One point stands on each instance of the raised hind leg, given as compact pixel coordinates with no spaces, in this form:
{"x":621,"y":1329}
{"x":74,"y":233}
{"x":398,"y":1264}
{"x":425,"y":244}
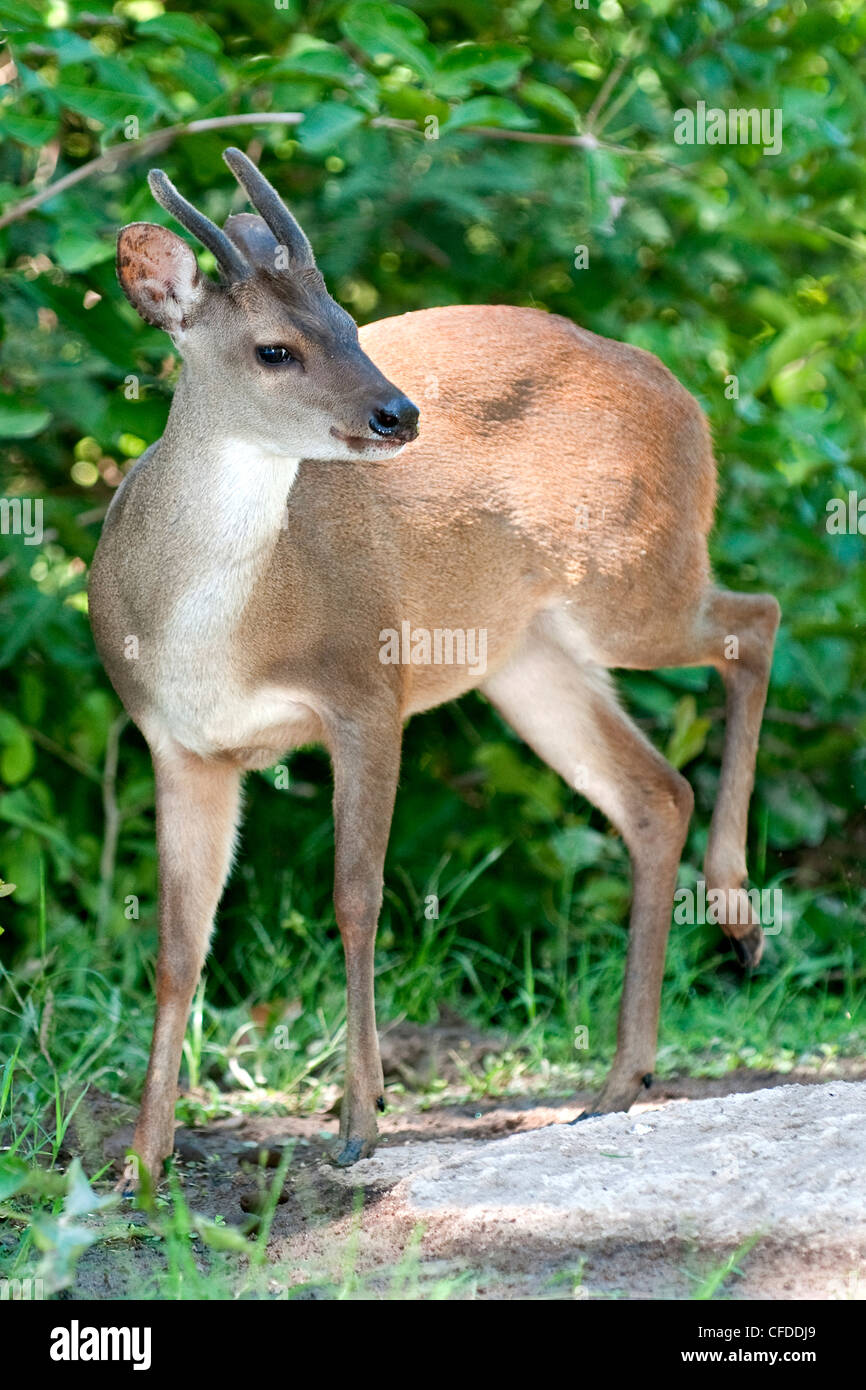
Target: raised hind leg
{"x":740,"y":630}
{"x":734,"y":633}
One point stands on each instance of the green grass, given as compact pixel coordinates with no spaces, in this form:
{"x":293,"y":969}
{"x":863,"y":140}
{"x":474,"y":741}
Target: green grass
{"x":68,"y":1022}
{"x":529,"y":946}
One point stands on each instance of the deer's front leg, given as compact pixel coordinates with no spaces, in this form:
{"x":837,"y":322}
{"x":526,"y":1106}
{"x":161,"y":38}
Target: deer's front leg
{"x":366,"y":762}
{"x":197,"y":807}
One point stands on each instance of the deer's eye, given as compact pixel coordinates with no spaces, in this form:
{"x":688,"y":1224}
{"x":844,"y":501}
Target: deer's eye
{"x":275,"y":356}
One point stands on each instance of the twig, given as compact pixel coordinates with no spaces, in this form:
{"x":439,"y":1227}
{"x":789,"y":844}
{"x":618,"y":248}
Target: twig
{"x":830,"y":234}
{"x":161,"y":139}
{"x":134,"y":149}
{"x":94,"y":514}
{"x":423,"y":244}
{"x":59,"y":751}
{"x":535,"y":137}
{"x":587,"y":141}
{"x":605,"y":89}
{"x":616,"y":105}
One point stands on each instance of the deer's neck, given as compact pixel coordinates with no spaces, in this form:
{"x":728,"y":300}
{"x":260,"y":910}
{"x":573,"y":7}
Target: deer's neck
{"x":229,"y":494}
{"x":228,"y":510}
{"x":235,"y":503}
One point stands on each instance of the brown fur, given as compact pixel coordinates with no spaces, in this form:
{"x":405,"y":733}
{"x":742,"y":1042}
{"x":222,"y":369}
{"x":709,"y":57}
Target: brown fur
{"x":559,"y":497}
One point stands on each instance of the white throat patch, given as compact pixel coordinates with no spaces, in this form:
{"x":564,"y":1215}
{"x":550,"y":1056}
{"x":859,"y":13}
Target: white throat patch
{"x":240,"y":509}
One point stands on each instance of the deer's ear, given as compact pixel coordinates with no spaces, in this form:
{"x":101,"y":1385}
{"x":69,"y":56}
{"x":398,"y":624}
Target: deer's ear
{"x":159,"y":275}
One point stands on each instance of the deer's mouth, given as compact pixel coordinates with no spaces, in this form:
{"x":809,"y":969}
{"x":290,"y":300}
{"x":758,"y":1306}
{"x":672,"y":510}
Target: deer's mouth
{"x":378,"y":444}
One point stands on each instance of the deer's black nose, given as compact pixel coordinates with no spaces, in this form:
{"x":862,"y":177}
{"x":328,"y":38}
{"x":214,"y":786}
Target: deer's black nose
{"x":398,"y":419}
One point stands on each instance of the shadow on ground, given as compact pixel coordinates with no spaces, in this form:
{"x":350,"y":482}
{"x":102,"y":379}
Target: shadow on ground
{"x":746,"y":1185}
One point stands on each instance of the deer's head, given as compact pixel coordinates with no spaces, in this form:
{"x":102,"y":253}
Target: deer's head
{"x":267,"y":350}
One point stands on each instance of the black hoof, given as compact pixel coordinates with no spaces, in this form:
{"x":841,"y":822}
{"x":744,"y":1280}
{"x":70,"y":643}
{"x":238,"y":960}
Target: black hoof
{"x":587,"y":1115}
{"x":647,"y":1080}
{"x":748,"y":948}
{"x":352,"y":1150}
{"x":380,"y":1104}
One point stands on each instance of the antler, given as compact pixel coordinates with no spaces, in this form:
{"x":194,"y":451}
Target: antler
{"x":230,"y":260}
{"x":266,"y":200}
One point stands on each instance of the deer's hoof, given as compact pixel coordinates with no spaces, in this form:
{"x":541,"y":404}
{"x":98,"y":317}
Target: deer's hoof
{"x":617,"y":1095}
{"x":352,"y":1150}
{"x":749,"y":948}
{"x":128,"y":1182}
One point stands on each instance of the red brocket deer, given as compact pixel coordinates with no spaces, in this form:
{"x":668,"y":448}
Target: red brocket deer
{"x":253,"y":562}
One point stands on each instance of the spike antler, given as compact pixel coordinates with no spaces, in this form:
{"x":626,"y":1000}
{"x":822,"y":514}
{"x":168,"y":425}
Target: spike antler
{"x":266,"y":200}
{"x":229,"y":258}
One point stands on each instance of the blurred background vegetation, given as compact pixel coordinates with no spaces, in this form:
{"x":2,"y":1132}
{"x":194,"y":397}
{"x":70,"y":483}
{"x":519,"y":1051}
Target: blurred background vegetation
{"x":723,"y":260}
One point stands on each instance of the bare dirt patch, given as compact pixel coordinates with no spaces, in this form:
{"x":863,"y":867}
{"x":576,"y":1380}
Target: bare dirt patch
{"x":504,"y":1199}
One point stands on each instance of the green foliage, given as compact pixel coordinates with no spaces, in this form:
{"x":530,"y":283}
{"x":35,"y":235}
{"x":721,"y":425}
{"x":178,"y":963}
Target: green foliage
{"x":724,"y":260}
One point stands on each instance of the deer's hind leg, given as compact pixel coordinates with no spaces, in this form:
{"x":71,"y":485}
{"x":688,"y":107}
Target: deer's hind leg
{"x":739,"y":631}
{"x":734,"y":633}
{"x":567,"y":711}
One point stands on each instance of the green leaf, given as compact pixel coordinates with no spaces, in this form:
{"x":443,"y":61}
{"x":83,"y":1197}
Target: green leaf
{"x":328,"y":65}
{"x":102,"y":104}
{"x":551,"y":101}
{"x":20,"y":14}
{"x":495,"y":111}
{"x":14,"y":1176}
{"x":689,"y":735}
{"x":81,"y":1199}
{"x":509,"y":773}
{"x":579,"y":847}
{"x":382,"y":28}
{"x":76,"y":251}
{"x":61,"y":1240}
{"x":17,"y":755}
{"x":802,"y":338}
{"x":331,"y":63}
{"x":410,"y":103}
{"x":326,"y":125}
{"x":67,"y":46}
{"x":19,"y":421}
{"x":27,"y":130}
{"x":181,"y":29}
{"x":221,"y":1237}
{"x":18,"y":809}
{"x":493,"y":65}
{"x":797,"y":813}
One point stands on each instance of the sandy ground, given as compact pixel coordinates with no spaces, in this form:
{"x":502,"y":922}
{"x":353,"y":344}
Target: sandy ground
{"x":745,"y":1186}
{"x":651,"y":1201}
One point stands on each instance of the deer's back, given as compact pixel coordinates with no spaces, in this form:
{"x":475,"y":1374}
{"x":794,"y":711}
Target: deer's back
{"x":545,"y":448}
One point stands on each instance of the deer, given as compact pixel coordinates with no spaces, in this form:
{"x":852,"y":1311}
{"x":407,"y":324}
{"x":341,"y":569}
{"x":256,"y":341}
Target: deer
{"x":558,"y":497}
